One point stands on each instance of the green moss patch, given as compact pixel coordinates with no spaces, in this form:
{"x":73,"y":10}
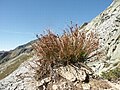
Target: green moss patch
{"x":112,"y":75}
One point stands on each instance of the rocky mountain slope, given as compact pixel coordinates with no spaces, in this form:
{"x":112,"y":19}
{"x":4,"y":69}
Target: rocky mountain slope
{"x":107,"y":24}
{"x":102,"y":73}
{"x":10,"y":60}
{"x":7,"y":55}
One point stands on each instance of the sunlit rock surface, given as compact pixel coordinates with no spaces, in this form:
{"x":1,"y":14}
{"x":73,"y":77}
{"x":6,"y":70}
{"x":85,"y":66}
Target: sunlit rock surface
{"x":107,"y":25}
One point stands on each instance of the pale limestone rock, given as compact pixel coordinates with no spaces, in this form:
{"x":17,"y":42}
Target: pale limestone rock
{"x":43,"y":81}
{"x":86,"y":86}
{"x":107,"y":24}
{"x":54,"y":87}
{"x":72,"y":73}
{"x":20,"y":79}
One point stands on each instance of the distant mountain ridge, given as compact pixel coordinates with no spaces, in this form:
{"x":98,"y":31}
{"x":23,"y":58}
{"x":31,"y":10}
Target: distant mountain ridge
{"x":1,"y":52}
{"x":7,"y":55}
{"x":11,"y":60}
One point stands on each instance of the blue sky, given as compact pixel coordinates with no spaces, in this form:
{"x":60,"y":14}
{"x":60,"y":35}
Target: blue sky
{"x":21,"y":20}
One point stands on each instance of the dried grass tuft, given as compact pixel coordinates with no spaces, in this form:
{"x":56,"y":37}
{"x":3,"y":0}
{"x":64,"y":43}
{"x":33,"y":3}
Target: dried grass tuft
{"x":72,"y":47}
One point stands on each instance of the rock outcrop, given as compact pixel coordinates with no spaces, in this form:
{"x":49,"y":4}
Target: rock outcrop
{"x":21,"y":79}
{"x":107,"y":24}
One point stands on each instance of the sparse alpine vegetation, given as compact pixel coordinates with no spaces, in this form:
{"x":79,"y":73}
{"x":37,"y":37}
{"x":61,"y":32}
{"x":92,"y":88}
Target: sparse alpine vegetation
{"x":112,"y":75}
{"x":72,"y":47}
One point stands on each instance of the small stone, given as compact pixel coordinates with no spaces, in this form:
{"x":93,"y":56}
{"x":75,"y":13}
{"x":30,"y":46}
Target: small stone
{"x":86,"y":86}
{"x":54,"y":87}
